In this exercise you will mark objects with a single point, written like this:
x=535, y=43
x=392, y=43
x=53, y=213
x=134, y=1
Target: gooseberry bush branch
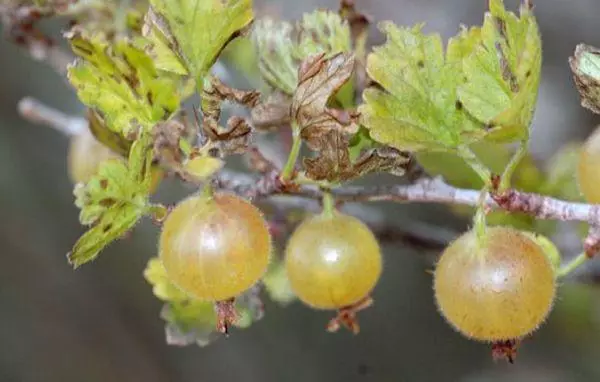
x=412, y=105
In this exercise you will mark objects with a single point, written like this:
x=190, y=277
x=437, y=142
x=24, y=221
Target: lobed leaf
x=113, y=201
x=120, y=82
x=190, y=321
x=417, y=107
x=329, y=131
x=502, y=74
x=282, y=47
x=188, y=35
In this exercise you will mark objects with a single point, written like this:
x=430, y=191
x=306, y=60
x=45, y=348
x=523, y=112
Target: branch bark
x=429, y=190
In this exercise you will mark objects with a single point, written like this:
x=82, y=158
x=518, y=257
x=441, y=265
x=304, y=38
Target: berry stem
x=573, y=264
x=479, y=220
x=208, y=190
x=507, y=175
x=288, y=170
x=328, y=204
x=471, y=159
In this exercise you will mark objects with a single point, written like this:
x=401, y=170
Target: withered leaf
x=585, y=65
x=328, y=131
x=273, y=113
x=318, y=79
x=231, y=140
x=383, y=159
x=235, y=137
x=334, y=164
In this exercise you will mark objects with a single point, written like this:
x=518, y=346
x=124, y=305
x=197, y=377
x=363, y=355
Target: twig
x=37, y=112
x=430, y=190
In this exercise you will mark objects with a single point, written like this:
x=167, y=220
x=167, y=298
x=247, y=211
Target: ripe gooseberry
x=332, y=261
x=588, y=169
x=494, y=288
x=215, y=247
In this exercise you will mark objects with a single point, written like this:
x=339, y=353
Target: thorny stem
x=507, y=175
x=288, y=170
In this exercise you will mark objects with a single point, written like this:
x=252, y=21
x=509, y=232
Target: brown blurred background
x=100, y=323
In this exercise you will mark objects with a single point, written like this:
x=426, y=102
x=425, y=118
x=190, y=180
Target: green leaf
x=281, y=47
x=120, y=82
x=188, y=35
x=188, y=320
x=502, y=74
x=585, y=65
x=113, y=201
x=561, y=178
x=528, y=177
x=113, y=224
x=550, y=250
x=418, y=108
x=162, y=287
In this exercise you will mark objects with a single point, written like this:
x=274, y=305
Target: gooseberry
x=332, y=261
x=500, y=286
x=85, y=155
x=215, y=247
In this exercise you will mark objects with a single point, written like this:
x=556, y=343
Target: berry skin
x=215, y=247
x=500, y=288
x=588, y=169
x=332, y=261
x=85, y=156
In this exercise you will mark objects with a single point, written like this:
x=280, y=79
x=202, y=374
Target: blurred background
x=101, y=322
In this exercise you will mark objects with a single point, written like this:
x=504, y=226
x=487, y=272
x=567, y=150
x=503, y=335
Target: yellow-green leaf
x=162, y=287
x=561, y=174
x=112, y=224
x=120, y=82
x=527, y=177
x=278, y=285
x=113, y=201
x=502, y=74
x=418, y=108
x=188, y=35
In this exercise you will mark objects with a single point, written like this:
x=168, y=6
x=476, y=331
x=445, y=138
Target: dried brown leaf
x=334, y=165
x=273, y=113
x=585, y=65
x=319, y=79
x=383, y=159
